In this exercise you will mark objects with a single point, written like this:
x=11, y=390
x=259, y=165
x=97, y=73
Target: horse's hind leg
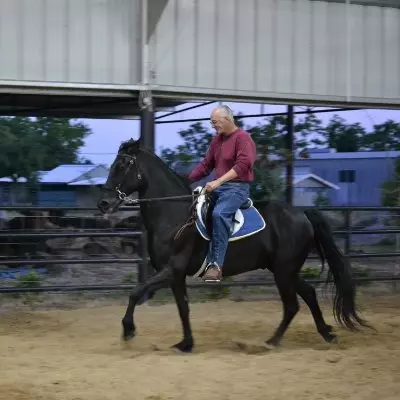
x=287, y=290
x=308, y=294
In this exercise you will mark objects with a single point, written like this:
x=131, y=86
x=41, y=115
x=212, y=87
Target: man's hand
x=210, y=186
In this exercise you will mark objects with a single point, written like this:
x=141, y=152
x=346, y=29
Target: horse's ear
x=136, y=145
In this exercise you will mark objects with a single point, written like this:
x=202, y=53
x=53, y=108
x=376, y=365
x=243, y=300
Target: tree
x=269, y=137
x=391, y=188
x=344, y=137
x=196, y=140
x=30, y=145
x=383, y=137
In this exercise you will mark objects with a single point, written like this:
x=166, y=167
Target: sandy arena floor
x=77, y=354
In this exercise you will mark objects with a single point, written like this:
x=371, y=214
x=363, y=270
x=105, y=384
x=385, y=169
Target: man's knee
x=220, y=214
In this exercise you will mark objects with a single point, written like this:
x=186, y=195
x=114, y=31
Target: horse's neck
x=162, y=216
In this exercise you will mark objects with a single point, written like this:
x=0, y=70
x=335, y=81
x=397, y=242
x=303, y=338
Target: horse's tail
x=320, y=251
x=344, y=307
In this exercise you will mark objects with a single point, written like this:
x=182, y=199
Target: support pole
x=147, y=128
x=290, y=154
x=147, y=139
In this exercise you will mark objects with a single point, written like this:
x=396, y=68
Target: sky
x=102, y=145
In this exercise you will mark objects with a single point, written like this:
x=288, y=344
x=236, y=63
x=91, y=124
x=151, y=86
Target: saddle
x=204, y=208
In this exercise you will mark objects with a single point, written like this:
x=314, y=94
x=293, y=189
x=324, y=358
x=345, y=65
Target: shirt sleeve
x=205, y=167
x=245, y=154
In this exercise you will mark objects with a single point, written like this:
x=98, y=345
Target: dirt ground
x=77, y=354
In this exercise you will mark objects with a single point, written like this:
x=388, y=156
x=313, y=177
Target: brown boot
x=213, y=273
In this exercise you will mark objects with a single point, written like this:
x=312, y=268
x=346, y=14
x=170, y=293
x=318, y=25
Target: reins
x=126, y=199
x=192, y=217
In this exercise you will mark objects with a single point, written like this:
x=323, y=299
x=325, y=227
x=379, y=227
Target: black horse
x=177, y=250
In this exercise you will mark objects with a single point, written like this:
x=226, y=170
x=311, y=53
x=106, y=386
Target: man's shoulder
x=242, y=134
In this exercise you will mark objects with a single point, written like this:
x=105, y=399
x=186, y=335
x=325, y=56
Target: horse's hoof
x=183, y=347
x=332, y=339
x=128, y=334
x=127, y=337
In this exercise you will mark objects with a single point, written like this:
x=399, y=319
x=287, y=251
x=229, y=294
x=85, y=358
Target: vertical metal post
x=147, y=128
x=347, y=227
x=147, y=138
x=290, y=154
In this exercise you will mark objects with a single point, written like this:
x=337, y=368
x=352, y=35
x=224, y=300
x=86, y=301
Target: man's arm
x=205, y=167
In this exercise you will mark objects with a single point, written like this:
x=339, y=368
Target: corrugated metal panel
x=82, y=41
x=370, y=174
x=66, y=173
x=279, y=48
x=90, y=182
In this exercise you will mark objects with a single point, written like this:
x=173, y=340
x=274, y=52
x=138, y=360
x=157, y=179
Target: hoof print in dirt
x=253, y=346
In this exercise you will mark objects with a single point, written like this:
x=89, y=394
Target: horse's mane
x=181, y=178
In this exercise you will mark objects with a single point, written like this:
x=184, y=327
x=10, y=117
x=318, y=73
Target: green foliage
x=129, y=278
x=321, y=200
x=391, y=188
x=31, y=280
x=310, y=272
x=269, y=136
x=30, y=145
x=384, y=137
x=361, y=272
x=218, y=292
x=196, y=141
x=344, y=137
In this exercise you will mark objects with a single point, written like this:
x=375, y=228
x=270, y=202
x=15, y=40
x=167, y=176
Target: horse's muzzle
x=108, y=206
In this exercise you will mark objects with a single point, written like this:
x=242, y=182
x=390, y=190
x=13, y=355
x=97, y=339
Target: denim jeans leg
x=229, y=197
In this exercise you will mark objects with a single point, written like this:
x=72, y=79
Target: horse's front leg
x=180, y=293
x=160, y=280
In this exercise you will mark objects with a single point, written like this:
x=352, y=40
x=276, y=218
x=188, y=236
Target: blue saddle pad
x=246, y=222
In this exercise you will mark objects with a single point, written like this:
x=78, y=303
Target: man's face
x=220, y=122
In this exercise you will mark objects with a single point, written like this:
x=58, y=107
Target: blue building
x=346, y=179
x=306, y=184
x=70, y=185
x=358, y=175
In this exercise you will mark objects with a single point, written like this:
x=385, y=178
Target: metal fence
x=142, y=258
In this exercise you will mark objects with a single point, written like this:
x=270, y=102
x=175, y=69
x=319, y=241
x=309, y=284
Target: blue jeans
x=226, y=200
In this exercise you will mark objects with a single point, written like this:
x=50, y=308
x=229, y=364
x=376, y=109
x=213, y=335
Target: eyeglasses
x=213, y=123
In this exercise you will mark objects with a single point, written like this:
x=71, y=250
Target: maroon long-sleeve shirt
x=237, y=151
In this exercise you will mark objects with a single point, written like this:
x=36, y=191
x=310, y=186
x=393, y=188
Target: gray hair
x=227, y=111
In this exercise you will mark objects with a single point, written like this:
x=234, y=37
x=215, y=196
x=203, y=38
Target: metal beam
x=188, y=93
x=375, y=3
x=262, y=115
x=185, y=109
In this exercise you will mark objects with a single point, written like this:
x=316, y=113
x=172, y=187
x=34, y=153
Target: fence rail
x=194, y=285
x=143, y=259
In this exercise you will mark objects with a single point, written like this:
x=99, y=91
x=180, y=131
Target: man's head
x=222, y=120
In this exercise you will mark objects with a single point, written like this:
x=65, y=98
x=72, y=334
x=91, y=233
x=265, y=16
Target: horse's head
x=124, y=178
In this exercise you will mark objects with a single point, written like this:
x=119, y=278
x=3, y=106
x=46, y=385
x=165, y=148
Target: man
x=232, y=154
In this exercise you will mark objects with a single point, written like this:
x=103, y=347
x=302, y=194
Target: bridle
x=123, y=197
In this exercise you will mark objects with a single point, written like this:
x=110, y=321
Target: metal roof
x=90, y=182
x=299, y=178
x=66, y=173
x=351, y=155
x=64, y=103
